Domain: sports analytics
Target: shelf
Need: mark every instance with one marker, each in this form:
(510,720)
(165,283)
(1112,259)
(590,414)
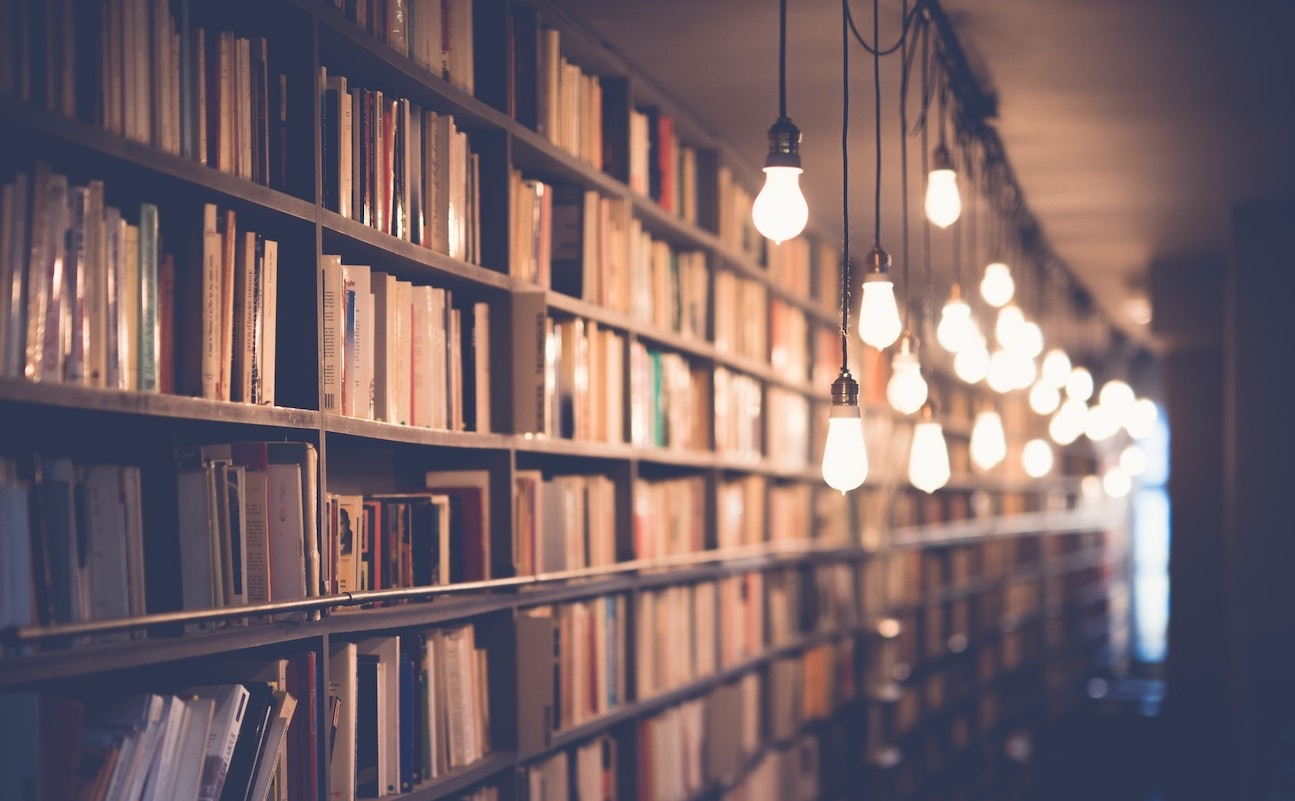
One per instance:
(413,435)
(482,770)
(152,404)
(51,128)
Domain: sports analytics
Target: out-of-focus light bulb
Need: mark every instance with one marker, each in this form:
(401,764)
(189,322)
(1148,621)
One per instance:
(1056,368)
(879,324)
(1044,397)
(1001,376)
(997,286)
(1036,458)
(1101,422)
(943,202)
(1142,418)
(845,458)
(1079,386)
(780,212)
(1117,396)
(906,389)
(1090,487)
(1068,423)
(1133,460)
(972,362)
(1116,482)
(1008,325)
(1029,339)
(988,442)
(956,330)
(1023,371)
(928,459)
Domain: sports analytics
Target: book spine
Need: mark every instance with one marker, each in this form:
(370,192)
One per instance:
(149,339)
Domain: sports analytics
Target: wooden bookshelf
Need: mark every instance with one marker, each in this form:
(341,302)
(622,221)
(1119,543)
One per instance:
(891,618)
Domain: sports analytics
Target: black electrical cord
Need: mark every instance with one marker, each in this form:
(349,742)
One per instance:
(876,89)
(908,17)
(782,59)
(845,189)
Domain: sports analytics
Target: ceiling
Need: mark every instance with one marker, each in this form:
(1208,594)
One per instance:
(1131,126)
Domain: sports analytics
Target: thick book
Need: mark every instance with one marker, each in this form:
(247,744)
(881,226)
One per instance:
(469,491)
(530,389)
(272,749)
(222,736)
(536,712)
(342,692)
(192,747)
(242,762)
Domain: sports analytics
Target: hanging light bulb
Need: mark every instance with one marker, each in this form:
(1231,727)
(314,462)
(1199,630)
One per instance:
(845,459)
(997,286)
(779,211)
(1002,377)
(1116,482)
(943,203)
(972,362)
(1117,396)
(1079,386)
(988,442)
(879,323)
(1044,398)
(1101,422)
(928,459)
(1142,418)
(956,330)
(1029,339)
(1133,460)
(1068,423)
(1056,368)
(1036,458)
(906,389)
(1008,325)
(1022,369)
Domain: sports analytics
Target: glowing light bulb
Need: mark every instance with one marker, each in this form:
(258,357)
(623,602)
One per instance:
(1023,372)
(1117,396)
(1036,458)
(1008,326)
(780,212)
(1133,460)
(972,362)
(1079,386)
(845,458)
(906,389)
(1142,418)
(956,330)
(1116,482)
(1044,398)
(1029,339)
(1090,486)
(1068,423)
(997,286)
(1001,376)
(928,459)
(943,202)
(879,324)
(988,442)
(1101,422)
(1056,368)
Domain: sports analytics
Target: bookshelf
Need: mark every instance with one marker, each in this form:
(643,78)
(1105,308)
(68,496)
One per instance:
(591,426)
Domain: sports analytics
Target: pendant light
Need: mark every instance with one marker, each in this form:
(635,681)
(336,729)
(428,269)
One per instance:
(943,203)
(1044,398)
(1142,419)
(879,324)
(972,362)
(1079,386)
(997,286)
(988,442)
(845,457)
(1056,368)
(1069,422)
(956,329)
(780,212)
(1036,458)
(928,458)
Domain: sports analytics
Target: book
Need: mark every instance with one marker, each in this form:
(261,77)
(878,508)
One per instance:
(342,691)
(230,705)
(531,387)
(469,493)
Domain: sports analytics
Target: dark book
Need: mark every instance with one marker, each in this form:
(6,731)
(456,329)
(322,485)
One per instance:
(616,127)
(566,260)
(329,131)
(424,543)
(251,740)
(536,710)
(366,726)
(525,61)
(303,743)
(469,493)
(408,724)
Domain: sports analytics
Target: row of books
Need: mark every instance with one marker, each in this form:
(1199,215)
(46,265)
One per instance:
(576,666)
(789,340)
(149,73)
(741,316)
(807,269)
(247,524)
(563,522)
(790,773)
(741,505)
(436,34)
(787,518)
(412,539)
(406,709)
(809,686)
(741,618)
(569,101)
(736,230)
(787,428)
(670,400)
(588,772)
(72,537)
(88,294)
(214,741)
(403,353)
(805,600)
(400,168)
(685,616)
(660,167)
(669,516)
(739,415)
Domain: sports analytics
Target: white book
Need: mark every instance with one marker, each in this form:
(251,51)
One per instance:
(345,159)
(334,333)
(286,532)
(109,552)
(269,322)
(386,359)
(256,552)
(159,784)
(226,723)
(423,361)
(342,693)
(191,750)
(267,763)
(212,255)
(197,567)
(404,351)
